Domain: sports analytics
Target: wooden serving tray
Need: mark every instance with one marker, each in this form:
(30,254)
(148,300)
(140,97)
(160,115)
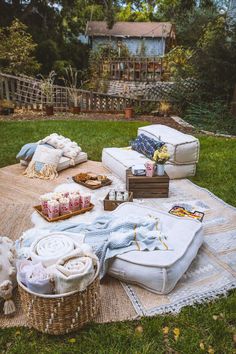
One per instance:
(107,182)
(38,208)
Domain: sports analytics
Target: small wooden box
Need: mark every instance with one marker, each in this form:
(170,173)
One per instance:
(113,204)
(147,187)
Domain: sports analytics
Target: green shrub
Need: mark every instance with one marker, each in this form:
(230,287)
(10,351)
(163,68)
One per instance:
(213,116)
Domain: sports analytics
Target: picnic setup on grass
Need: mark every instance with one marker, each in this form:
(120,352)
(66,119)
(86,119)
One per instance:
(115,240)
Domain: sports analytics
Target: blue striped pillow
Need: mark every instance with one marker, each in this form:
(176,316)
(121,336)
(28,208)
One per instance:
(146,146)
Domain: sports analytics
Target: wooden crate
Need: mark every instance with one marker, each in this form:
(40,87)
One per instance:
(113,204)
(147,187)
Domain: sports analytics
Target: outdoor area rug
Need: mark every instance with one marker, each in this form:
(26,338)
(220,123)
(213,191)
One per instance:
(212,273)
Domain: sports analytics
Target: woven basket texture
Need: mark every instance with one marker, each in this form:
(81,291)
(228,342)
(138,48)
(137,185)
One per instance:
(64,314)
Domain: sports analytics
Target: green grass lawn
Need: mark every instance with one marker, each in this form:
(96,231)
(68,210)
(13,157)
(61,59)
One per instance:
(207,328)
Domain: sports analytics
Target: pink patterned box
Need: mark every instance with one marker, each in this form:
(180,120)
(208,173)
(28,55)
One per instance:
(53,209)
(64,206)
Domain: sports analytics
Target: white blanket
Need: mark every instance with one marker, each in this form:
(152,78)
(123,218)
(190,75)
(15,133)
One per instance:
(50,248)
(75,271)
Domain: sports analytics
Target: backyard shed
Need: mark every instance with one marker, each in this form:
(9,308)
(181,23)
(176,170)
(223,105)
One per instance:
(141,38)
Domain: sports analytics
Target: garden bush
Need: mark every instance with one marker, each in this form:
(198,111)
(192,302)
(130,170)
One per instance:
(213,116)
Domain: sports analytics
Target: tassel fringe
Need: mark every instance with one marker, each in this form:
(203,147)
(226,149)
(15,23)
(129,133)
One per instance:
(47,172)
(6,293)
(9,307)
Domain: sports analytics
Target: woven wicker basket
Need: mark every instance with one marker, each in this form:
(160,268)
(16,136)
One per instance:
(63,313)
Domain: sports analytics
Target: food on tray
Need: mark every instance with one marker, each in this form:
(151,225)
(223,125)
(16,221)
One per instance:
(58,204)
(92,176)
(92,182)
(81,177)
(102,178)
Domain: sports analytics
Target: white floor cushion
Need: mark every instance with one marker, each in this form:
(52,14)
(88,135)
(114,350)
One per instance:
(118,160)
(64,162)
(159,271)
(183,148)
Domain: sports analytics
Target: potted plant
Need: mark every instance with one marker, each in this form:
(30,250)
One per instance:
(6,107)
(164,108)
(160,157)
(129,112)
(47,89)
(71,83)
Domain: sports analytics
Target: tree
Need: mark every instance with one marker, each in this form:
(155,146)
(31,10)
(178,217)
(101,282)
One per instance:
(17,50)
(215,59)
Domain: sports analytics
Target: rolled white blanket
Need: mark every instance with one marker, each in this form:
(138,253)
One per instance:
(75,271)
(50,248)
(23,266)
(35,277)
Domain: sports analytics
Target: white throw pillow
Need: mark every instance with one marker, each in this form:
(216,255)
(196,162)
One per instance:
(69,148)
(44,163)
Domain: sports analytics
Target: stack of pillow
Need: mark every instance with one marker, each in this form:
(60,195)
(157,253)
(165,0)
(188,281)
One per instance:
(69,148)
(182,148)
(50,155)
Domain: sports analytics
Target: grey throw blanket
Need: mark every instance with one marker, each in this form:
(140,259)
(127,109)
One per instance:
(110,236)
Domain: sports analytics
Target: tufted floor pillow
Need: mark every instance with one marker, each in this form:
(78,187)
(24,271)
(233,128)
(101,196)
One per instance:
(183,148)
(118,160)
(159,271)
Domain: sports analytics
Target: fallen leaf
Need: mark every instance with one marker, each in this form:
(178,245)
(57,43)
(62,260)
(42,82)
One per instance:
(202,346)
(211,350)
(176,332)
(72,340)
(165,330)
(215,317)
(139,329)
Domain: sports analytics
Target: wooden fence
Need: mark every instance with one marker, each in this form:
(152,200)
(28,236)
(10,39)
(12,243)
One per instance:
(25,91)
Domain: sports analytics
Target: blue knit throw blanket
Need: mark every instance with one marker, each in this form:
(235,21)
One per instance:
(110,236)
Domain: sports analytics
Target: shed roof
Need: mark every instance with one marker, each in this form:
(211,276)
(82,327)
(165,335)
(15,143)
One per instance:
(130,29)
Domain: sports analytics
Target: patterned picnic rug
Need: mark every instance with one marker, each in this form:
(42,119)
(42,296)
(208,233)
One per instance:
(211,274)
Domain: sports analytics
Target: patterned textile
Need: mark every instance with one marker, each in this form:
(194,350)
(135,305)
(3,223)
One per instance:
(146,146)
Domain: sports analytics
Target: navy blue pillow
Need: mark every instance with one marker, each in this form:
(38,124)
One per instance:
(146,146)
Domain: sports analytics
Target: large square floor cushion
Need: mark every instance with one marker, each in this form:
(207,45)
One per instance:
(158,271)
(118,160)
(64,162)
(183,148)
